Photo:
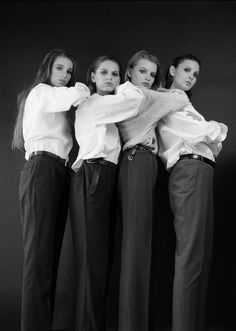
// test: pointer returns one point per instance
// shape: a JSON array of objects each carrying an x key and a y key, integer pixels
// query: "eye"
[
  {"x": 115, "y": 74},
  {"x": 153, "y": 75},
  {"x": 186, "y": 69},
  {"x": 69, "y": 72},
  {"x": 195, "y": 75},
  {"x": 104, "y": 72},
  {"x": 59, "y": 68},
  {"x": 142, "y": 71}
]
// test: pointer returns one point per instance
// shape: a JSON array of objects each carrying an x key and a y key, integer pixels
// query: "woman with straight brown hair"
[{"x": 42, "y": 131}]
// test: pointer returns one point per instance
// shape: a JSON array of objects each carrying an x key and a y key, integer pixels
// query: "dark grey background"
[{"x": 89, "y": 29}]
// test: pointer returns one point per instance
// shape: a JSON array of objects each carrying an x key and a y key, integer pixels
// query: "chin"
[
  {"x": 186, "y": 88},
  {"x": 109, "y": 90}
]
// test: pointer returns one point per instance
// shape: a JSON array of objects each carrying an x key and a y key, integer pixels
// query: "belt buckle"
[
  {"x": 94, "y": 160},
  {"x": 133, "y": 152}
]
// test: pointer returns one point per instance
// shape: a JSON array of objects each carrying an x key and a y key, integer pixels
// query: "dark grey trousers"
[
  {"x": 92, "y": 189},
  {"x": 191, "y": 199},
  {"x": 44, "y": 192},
  {"x": 137, "y": 180}
]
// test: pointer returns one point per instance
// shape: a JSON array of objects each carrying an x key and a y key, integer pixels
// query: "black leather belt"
[
  {"x": 197, "y": 157},
  {"x": 58, "y": 158},
  {"x": 101, "y": 161},
  {"x": 133, "y": 149}
]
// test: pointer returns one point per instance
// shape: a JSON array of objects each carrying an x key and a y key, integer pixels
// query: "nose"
[
  {"x": 148, "y": 77},
  {"x": 64, "y": 74},
  {"x": 109, "y": 77}
]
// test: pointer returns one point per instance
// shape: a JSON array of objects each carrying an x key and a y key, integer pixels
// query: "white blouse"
[
  {"x": 45, "y": 126},
  {"x": 187, "y": 132},
  {"x": 95, "y": 128},
  {"x": 140, "y": 129}
]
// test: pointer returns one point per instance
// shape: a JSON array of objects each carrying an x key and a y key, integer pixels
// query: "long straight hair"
[
  {"x": 43, "y": 76},
  {"x": 146, "y": 56},
  {"x": 175, "y": 63}
]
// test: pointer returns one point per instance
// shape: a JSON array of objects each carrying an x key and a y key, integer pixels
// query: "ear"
[
  {"x": 92, "y": 77},
  {"x": 172, "y": 71},
  {"x": 129, "y": 72}
]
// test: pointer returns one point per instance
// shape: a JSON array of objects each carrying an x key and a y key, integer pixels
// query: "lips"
[{"x": 145, "y": 84}]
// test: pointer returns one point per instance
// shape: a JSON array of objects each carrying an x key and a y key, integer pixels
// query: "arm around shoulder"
[
  {"x": 57, "y": 99},
  {"x": 159, "y": 104}
]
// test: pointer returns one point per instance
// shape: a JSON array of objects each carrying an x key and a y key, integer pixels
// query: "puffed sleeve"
[
  {"x": 58, "y": 99},
  {"x": 195, "y": 129}
]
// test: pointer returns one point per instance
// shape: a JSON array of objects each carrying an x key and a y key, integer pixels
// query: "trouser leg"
[
  {"x": 137, "y": 179},
  {"x": 43, "y": 183},
  {"x": 190, "y": 189},
  {"x": 91, "y": 196}
]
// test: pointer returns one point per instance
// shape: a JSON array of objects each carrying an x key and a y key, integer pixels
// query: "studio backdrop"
[{"x": 121, "y": 28}]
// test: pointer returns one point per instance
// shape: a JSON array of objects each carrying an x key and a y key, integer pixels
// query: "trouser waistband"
[
  {"x": 100, "y": 160},
  {"x": 139, "y": 147},
  {"x": 58, "y": 158},
  {"x": 197, "y": 157}
]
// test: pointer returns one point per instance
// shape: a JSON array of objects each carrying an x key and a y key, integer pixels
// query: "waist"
[
  {"x": 132, "y": 150},
  {"x": 197, "y": 157},
  {"x": 56, "y": 157},
  {"x": 100, "y": 160}
]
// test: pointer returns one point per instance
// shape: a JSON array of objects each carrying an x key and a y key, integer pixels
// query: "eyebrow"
[
  {"x": 59, "y": 64},
  {"x": 188, "y": 66},
  {"x": 141, "y": 67},
  {"x": 107, "y": 69}
]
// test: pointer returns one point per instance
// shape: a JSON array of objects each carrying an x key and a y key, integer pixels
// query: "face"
[
  {"x": 106, "y": 77},
  {"x": 143, "y": 73},
  {"x": 185, "y": 75},
  {"x": 62, "y": 69}
]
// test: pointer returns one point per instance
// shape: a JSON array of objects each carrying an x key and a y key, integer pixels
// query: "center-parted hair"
[
  {"x": 94, "y": 66},
  {"x": 43, "y": 76},
  {"x": 158, "y": 81}
]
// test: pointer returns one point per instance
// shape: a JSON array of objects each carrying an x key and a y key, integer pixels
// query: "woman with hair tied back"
[
  {"x": 188, "y": 147},
  {"x": 43, "y": 132},
  {"x": 136, "y": 184},
  {"x": 94, "y": 182}
]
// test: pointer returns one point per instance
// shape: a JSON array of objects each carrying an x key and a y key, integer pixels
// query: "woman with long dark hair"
[
  {"x": 189, "y": 146},
  {"x": 42, "y": 131}
]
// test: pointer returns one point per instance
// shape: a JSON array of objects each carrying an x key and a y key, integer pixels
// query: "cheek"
[
  {"x": 51, "y": 77},
  {"x": 135, "y": 77}
]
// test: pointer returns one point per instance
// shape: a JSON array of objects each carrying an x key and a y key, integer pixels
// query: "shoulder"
[
  {"x": 42, "y": 86},
  {"x": 127, "y": 85},
  {"x": 90, "y": 102},
  {"x": 39, "y": 91},
  {"x": 130, "y": 90}
]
